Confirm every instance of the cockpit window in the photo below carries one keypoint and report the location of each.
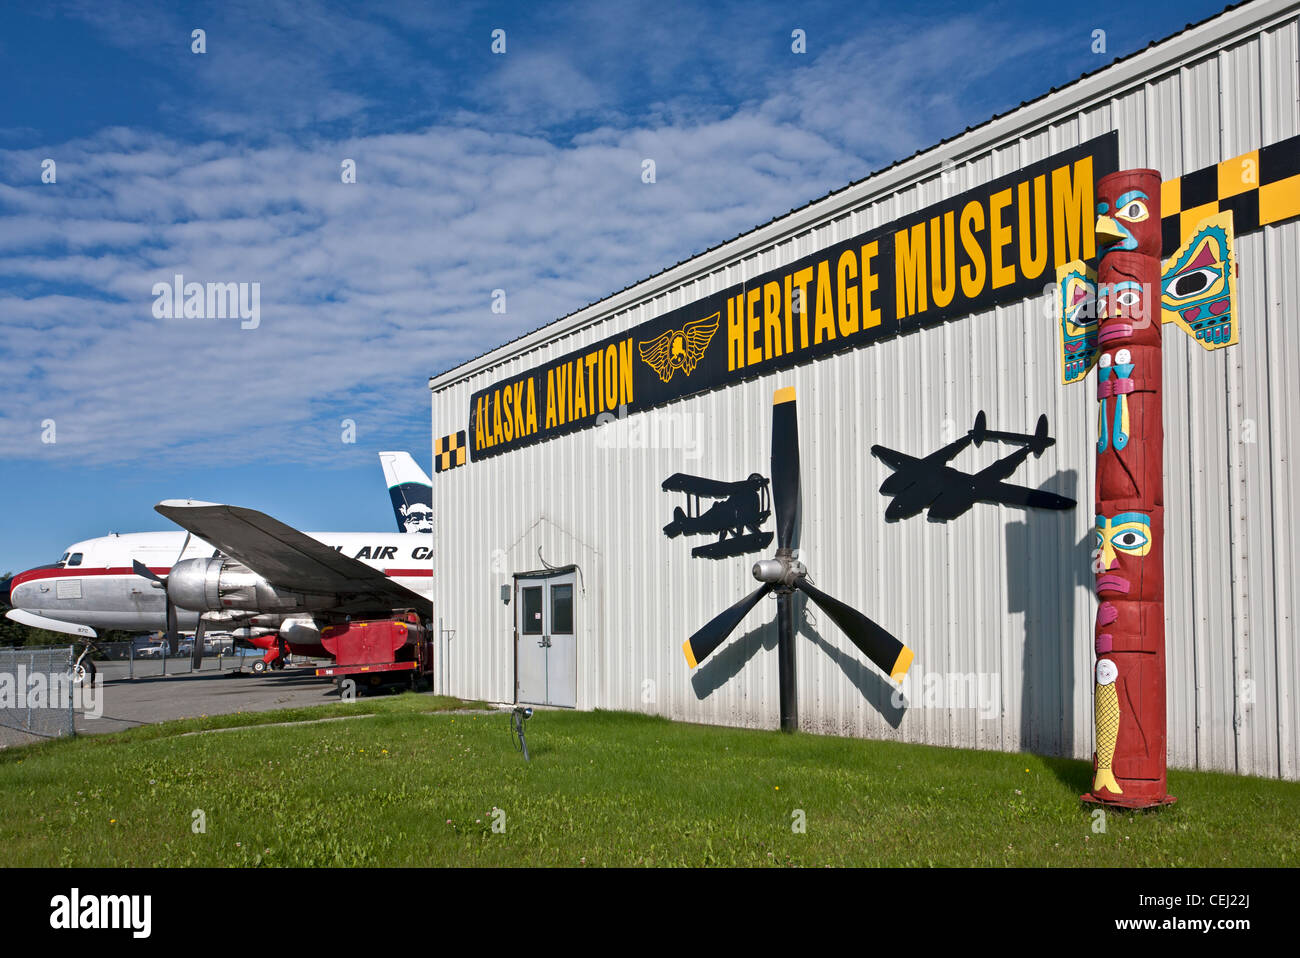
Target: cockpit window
(64, 560)
(75, 559)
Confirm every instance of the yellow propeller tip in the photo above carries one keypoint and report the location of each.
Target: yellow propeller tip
(901, 664)
(690, 655)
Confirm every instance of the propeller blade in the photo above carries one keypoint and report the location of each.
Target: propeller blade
(140, 569)
(890, 655)
(196, 653)
(785, 465)
(701, 645)
(173, 627)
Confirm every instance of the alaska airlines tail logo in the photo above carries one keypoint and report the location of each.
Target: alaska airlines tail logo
(680, 348)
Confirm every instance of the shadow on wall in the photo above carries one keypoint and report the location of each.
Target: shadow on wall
(725, 664)
(1045, 568)
(875, 688)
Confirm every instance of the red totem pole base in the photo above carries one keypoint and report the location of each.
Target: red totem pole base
(1134, 802)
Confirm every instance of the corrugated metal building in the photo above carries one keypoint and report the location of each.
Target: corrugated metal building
(1001, 593)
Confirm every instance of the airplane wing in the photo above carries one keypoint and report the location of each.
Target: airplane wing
(1013, 495)
(955, 501)
(892, 458)
(697, 486)
(1003, 468)
(950, 451)
(290, 559)
(951, 503)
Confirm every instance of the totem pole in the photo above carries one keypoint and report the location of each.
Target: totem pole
(1129, 545)
(1113, 318)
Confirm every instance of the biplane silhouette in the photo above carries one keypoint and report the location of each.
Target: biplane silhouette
(743, 505)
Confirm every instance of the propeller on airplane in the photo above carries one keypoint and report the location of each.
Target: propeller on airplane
(173, 621)
(784, 573)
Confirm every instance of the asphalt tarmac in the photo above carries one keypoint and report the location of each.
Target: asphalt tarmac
(152, 697)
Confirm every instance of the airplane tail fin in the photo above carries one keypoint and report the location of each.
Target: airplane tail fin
(410, 490)
(674, 528)
(980, 430)
(1041, 439)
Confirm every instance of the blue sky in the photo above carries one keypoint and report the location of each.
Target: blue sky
(475, 172)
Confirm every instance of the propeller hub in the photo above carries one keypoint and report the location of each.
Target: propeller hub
(783, 572)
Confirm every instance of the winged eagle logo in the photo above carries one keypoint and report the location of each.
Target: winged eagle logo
(680, 348)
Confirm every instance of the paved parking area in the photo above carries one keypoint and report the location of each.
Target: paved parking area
(157, 698)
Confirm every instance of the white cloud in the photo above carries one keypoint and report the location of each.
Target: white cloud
(367, 289)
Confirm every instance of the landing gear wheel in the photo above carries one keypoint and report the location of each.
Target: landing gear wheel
(83, 673)
(260, 667)
(277, 664)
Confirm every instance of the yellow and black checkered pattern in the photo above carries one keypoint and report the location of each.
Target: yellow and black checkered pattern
(449, 452)
(1259, 187)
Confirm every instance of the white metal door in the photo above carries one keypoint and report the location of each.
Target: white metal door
(530, 644)
(562, 643)
(546, 651)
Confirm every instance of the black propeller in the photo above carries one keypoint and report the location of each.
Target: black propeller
(784, 573)
(702, 644)
(173, 621)
(876, 644)
(196, 653)
(785, 466)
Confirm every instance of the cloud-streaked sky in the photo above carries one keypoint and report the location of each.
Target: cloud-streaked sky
(475, 172)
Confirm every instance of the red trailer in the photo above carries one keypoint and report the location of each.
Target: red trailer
(380, 651)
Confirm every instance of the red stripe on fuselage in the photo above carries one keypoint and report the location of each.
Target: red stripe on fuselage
(35, 575)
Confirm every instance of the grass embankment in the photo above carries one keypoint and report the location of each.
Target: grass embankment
(410, 786)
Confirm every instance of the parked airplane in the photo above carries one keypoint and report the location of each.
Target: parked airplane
(410, 490)
(949, 492)
(121, 582)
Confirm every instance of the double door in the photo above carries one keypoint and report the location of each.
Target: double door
(546, 650)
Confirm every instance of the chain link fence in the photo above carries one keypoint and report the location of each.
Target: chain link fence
(36, 694)
(148, 658)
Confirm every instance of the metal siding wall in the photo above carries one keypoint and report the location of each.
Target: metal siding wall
(1000, 592)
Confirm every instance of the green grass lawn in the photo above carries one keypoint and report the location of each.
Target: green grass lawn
(412, 785)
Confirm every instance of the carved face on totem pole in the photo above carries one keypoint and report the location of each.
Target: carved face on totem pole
(1122, 541)
(1128, 337)
(1128, 242)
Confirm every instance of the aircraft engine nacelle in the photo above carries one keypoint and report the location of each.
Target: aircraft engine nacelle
(223, 585)
(300, 630)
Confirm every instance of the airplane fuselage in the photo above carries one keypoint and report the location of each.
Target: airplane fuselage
(93, 584)
(917, 489)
